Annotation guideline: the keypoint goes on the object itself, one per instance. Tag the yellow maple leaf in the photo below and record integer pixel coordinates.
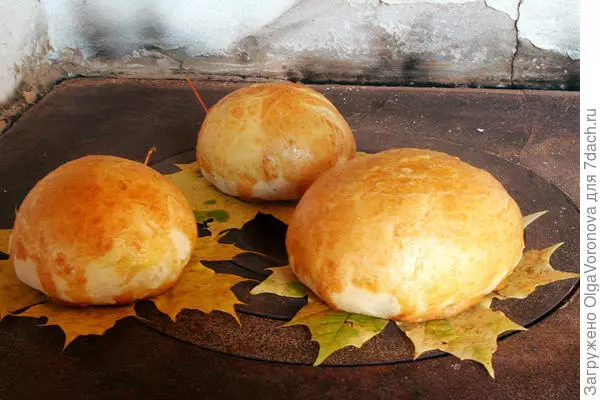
(200, 288)
(334, 330)
(282, 282)
(76, 322)
(533, 270)
(226, 211)
(14, 294)
(4, 238)
(471, 334)
(208, 248)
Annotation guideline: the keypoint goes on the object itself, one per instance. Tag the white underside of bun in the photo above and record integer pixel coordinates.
(182, 243)
(105, 280)
(26, 271)
(264, 190)
(227, 187)
(360, 301)
(271, 190)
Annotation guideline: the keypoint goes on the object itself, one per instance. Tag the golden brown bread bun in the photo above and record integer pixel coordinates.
(271, 141)
(102, 230)
(407, 234)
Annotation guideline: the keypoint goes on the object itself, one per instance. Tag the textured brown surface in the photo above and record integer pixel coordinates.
(132, 361)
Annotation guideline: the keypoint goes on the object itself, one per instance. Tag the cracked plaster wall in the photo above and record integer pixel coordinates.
(495, 43)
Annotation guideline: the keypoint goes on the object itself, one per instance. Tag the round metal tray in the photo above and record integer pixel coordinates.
(261, 335)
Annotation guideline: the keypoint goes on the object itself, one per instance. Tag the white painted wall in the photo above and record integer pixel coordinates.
(212, 27)
(202, 27)
(22, 40)
(551, 25)
(475, 35)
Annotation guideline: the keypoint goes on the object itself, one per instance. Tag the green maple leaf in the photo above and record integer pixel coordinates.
(227, 212)
(334, 330)
(217, 215)
(281, 282)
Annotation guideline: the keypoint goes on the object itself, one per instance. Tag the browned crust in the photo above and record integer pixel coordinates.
(275, 130)
(78, 212)
(359, 217)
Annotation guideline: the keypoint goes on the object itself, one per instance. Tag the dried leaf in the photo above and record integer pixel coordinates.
(528, 219)
(334, 330)
(200, 288)
(208, 248)
(226, 212)
(533, 270)
(469, 335)
(281, 282)
(217, 215)
(79, 321)
(14, 294)
(4, 238)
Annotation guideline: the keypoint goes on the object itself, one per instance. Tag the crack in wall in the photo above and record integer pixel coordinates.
(517, 44)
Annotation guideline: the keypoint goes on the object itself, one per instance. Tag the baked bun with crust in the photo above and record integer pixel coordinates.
(271, 141)
(407, 234)
(102, 230)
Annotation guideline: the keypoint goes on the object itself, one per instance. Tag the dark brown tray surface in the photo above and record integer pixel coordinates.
(261, 335)
(518, 132)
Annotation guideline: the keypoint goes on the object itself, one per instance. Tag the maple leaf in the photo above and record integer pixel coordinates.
(281, 282)
(208, 248)
(225, 211)
(471, 334)
(334, 330)
(200, 288)
(14, 294)
(76, 322)
(533, 270)
(528, 219)
(4, 238)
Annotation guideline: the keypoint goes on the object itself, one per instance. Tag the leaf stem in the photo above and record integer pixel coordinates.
(197, 94)
(152, 149)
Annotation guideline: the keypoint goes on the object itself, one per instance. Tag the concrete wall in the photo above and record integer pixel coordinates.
(495, 43)
(23, 40)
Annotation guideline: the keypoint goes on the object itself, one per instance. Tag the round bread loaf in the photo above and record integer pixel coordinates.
(271, 141)
(407, 234)
(102, 230)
